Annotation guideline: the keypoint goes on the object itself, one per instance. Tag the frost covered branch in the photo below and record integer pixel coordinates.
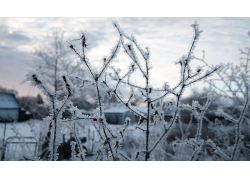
(154, 129)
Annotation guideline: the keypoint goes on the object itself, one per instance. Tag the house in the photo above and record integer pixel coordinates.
(117, 113)
(9, 107)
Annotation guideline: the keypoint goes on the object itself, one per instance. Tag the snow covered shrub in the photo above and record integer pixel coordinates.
(231, 127)
(147, 139)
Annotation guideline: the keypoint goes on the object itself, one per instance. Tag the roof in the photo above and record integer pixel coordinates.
(120, 108)
(116, 109)
(8, 101)
(142, 109)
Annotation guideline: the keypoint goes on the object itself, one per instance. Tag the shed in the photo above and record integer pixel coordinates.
(117, 113)
(9, 107)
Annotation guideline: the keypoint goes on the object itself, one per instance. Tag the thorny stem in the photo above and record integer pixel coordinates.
(199, 129)
(124, 157)
(96, 79)
(218, 150)
(221, 77)
(84, 60)
(187, 60)
(99, 98)
(246, 67)
(56, 112)
(126, 104)
(185, 67)
(55, 115)
(177, 106)
(148, 115)
(174, 117)
(239, 124)
(144, 89)
(188, 126)
(120, 79)
(146, 75)
(240, 121)
(110, 148)
(200, 78)
(133, 85)
(147, 132)
(56, 63)
(185, 76)
(125, 48)
(51, 99)
(200, 119)
(100, 109)
(178, 101)
(54, 137)
(112, 57)
(78, 142)
(167, 93)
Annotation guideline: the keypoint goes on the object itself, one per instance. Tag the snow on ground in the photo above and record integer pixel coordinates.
(33, 130)
(19, 138)
(23, 129)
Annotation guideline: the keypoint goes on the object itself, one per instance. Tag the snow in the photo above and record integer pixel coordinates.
(31, 132)
(19, 139)
(22, 127)
(116, 108)
(120, 108)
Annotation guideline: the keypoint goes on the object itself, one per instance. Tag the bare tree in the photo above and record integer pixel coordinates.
(6, 90)
(54, 58)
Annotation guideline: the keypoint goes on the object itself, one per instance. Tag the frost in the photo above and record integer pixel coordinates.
(147, 132)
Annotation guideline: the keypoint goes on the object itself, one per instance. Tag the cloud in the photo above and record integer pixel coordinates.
(167, 38)
(12, 38)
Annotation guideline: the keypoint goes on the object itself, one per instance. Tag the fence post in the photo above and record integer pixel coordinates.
(3, 150)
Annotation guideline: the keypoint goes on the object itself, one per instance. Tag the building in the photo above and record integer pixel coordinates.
(9, 107)
(117, 113)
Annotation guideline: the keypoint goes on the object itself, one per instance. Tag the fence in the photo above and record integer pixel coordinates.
(19, 148)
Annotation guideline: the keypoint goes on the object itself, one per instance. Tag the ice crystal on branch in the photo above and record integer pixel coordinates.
(149, 132)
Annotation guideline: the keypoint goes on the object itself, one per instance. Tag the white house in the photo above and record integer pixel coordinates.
(9, 107)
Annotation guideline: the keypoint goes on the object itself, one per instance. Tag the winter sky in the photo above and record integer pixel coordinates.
(168, 39)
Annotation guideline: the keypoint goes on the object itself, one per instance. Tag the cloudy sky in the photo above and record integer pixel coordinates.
(167, 38)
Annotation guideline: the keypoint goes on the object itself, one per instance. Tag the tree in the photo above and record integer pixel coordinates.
(54, 59)
(6, 90)
(34, 105)
(137, 100)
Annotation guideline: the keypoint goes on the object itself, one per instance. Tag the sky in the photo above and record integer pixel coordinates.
(168, 38)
